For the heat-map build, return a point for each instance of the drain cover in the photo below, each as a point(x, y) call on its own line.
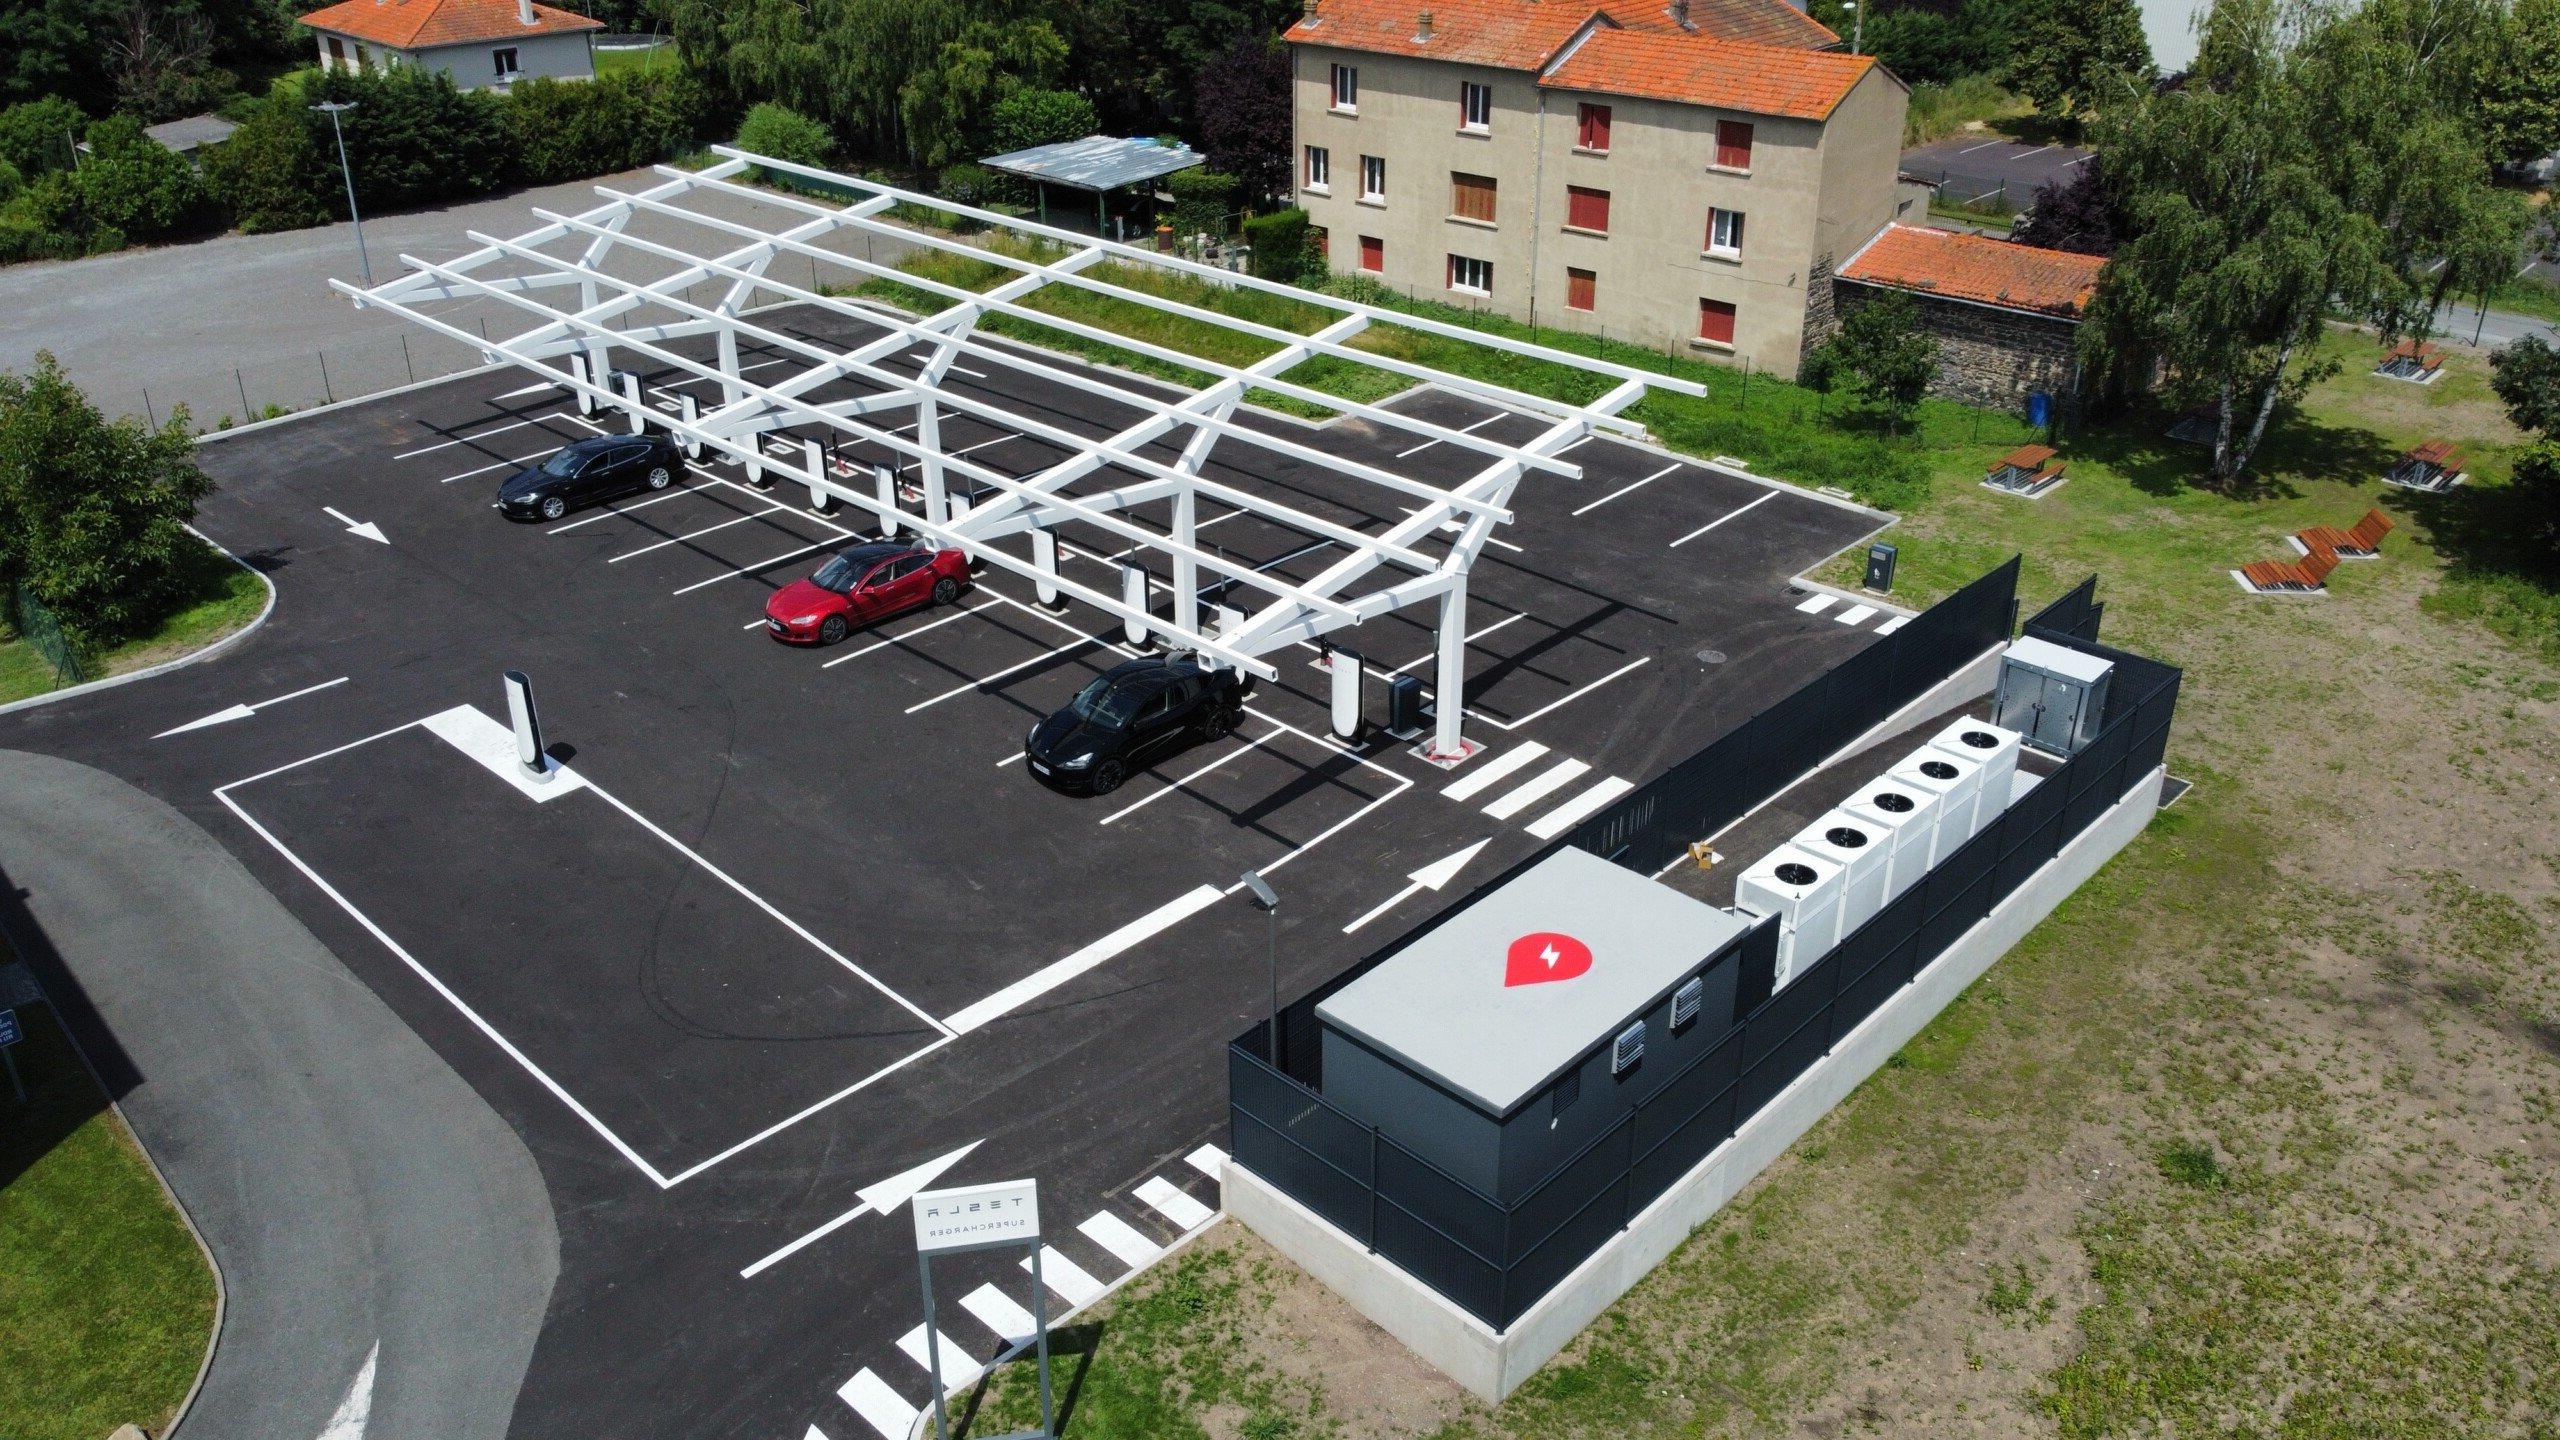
point(1710, 657)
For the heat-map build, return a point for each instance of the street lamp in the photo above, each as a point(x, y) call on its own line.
point(335, 108)
point(1857, 23)
point(1269, 900)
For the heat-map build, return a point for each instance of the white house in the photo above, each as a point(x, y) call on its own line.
point(477, 42)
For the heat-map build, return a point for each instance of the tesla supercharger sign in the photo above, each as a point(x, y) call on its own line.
point(973, 1215)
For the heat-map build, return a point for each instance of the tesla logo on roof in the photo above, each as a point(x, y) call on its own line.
point(1544, 956)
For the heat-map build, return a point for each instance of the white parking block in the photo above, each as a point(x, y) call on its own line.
point(1818, 604)
point(1209, 1160)
point(1896, 623)
point(1065, 1276)
point(880, 1407)
point(1580, 808)
point(997, 1312)
point(493, 746)
point(959, 1367)
point(1165, 1199)
point(1549, 781)
point(1492, 770)
point(1117, 1236)
point(1854, 614)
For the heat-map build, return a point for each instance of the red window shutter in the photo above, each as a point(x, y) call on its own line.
point(1595, 128)
point(1715, 321)
point(1373, 253)
point(1581, 290)
point(1586, 209)
point(1733, 144)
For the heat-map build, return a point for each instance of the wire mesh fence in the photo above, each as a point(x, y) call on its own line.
point(42, 632)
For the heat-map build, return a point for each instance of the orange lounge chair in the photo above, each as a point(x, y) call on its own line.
point(2309, 574)
point(2360, 541)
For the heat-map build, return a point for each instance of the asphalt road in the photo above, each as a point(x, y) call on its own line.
point(361, 1203)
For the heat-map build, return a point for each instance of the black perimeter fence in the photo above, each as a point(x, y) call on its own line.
point(1495, 1260)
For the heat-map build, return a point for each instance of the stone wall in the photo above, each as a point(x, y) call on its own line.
point(1986, 356)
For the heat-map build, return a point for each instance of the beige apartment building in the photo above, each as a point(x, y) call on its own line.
point(1681, 173)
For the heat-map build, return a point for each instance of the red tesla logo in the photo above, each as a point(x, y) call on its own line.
point(1544, 956)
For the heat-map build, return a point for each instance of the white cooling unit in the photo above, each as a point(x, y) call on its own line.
point(1957, 782)
point(1803, 891)
point(1862, 852)
point(1910, 816)
point(1996, 750)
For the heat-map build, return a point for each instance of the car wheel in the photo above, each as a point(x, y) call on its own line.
point(832, 630)
point(1221, 723)
point(553, 507)
point(945, 590)
point(1107, 775)
point(659, 475)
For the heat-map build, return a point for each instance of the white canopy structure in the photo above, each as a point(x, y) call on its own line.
point(577, 315)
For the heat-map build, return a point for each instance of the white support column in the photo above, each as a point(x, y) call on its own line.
point(1186, 571)
point(884, 483)
point(578, 371)
point(729, 391)
point(752, 463)
point(1449, 694)
point(689, 412)
point(1044, 558)
point(937, 502)
point(1133, 593)
point(599, 352)
point(816, 459)
point(631, 392)
point(1349, 674)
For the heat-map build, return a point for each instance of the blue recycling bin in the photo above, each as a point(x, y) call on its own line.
point(2039, 409)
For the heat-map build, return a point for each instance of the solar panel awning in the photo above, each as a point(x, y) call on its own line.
point(1096, 162)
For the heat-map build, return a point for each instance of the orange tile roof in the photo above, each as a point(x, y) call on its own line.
point(1759, 79)
point(425, 24)
point(1979, 268)
point(1525, 34)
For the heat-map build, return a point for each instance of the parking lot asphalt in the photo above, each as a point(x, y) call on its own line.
point(1977, 168)
point(793, 921)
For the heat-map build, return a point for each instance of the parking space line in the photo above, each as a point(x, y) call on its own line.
point(903, 636)
point(880, 1407)
point(996, 1310)
point(1165, 1199)
point(1135, 806)
point(518, 462)
point(1719, 520)
point(611, 511)
point(1896, 623)
point(1427, 656)
point(1854, 614)
point(1563, 773)
point(1817, 604)
point(1120, 1238)
point(959, 1367)
point(1985, 145)
point(1470, 430)
point(760, 565)
point(694, 534)
point(1623, 489)
point(1569, 697)
point(1209, 1160)
point(475, 435)
point(1491, 771)
point(1058, 972)
point(1066, 1277)
point(1581, 807)
point(990, 678)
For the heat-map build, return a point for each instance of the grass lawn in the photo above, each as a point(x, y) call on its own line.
point(225, 598)
point(106, 1303)
point(623, 62)
point(2254, 1136)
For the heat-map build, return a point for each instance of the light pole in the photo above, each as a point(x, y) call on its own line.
point(335, 108)
point(1857, 23)
point(1269, 900)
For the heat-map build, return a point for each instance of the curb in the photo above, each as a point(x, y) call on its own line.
point(164, 667)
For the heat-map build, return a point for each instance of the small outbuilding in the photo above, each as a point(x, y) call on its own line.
point(2006, 316)
point(480, 43)
point(1096, 165)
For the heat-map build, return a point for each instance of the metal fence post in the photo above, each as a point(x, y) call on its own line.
point(325, 390)
point(409, 364)
point(246, 412)
point(147, 412)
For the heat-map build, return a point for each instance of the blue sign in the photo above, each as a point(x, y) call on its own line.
point(9, 1032)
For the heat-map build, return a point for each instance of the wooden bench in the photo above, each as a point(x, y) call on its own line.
point(2411, 360)
point(2027, 470)
point(2360, 541)
point(2291, 577)
point(2434, 466)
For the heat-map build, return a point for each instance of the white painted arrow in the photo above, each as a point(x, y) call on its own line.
point(365, 528)
point(242, 712)
point(356, 1411)
point(1433, 876)
point(880, 1198)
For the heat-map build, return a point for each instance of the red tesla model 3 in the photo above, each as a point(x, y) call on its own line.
point(860, 586)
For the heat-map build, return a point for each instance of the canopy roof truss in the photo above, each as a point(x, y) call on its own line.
point(577, 314)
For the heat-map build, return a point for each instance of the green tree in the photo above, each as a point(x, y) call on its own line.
point(785, 134)
point(271, 174)
point(1882, 352)
point(2526, 376)
point(413, 138)
point(133, 184)
point(566, 130)
point(37, 136)
point(92, 512)
point(1039, 117)
point(2518, 107)
point(2077, 56)
point(946, 107)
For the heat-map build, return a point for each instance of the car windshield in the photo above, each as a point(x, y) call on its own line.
point(566, 462)
point(1105, 704)
point(839, 574)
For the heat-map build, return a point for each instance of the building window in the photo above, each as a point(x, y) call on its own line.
point(1319, 168)
point(1715, 322)
point(1373, 177)
point(1472, 276)
point(505, 56)
point(1586, 209)
point(1724, 233)
point(364, 61)
point(1346, 89)
point(1733, 145)
point(1581, 290)
point(1373, 254)
point(1475, 108)
point(1591, 132)
point(1471, 196)
point(337, 54)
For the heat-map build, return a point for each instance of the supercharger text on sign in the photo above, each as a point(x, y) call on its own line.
point(1006, 1212)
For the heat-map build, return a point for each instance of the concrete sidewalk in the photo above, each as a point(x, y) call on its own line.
point(231, 325)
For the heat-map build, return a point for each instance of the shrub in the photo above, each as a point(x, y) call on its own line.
point(11, 182)
point(785, 134)
point(133, 184)
point(36, 136)
point(1203, 199)
point(1039, 117)
point(1280, 244)
point(269, 174)
point(412, 139)
point(565, 130)
point(967, 184)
